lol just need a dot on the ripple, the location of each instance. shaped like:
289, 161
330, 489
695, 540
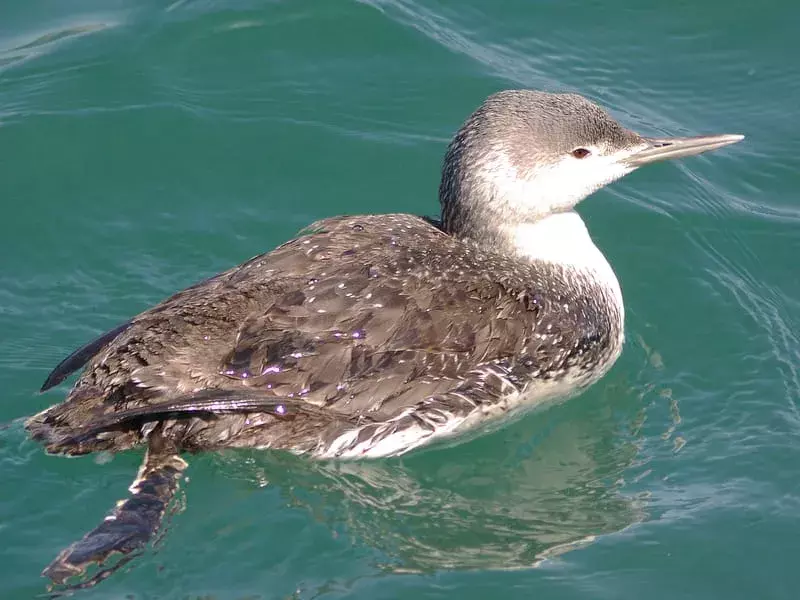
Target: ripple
767, 306
501, 59
27, 47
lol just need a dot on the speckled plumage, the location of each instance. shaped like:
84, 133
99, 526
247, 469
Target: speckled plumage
345, 321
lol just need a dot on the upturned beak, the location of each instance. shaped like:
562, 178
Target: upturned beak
659, 149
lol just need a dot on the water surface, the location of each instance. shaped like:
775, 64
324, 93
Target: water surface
145, 145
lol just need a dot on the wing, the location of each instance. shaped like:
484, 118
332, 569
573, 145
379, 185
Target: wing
370, 341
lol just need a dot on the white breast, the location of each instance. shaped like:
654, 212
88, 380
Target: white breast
563, 239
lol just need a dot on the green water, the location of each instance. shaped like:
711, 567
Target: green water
145, 145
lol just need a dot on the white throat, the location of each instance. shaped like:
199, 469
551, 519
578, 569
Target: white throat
563, 239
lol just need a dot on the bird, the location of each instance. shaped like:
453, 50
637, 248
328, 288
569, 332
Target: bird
371, 335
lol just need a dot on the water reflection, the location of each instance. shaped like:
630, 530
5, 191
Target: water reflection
538, 488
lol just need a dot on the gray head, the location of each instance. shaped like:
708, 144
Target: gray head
525, 155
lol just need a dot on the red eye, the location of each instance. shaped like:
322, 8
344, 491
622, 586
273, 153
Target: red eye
580, 153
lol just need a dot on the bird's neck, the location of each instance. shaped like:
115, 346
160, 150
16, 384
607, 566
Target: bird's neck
560, 239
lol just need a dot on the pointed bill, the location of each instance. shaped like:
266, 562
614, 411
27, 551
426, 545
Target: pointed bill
659, 149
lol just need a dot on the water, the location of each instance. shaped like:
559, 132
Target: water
145, 145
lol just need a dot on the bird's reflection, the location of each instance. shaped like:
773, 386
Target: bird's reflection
539, 487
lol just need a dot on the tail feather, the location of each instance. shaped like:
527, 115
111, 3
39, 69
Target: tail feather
130, 526
81, 356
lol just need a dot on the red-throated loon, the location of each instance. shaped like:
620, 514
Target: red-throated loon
369, 336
